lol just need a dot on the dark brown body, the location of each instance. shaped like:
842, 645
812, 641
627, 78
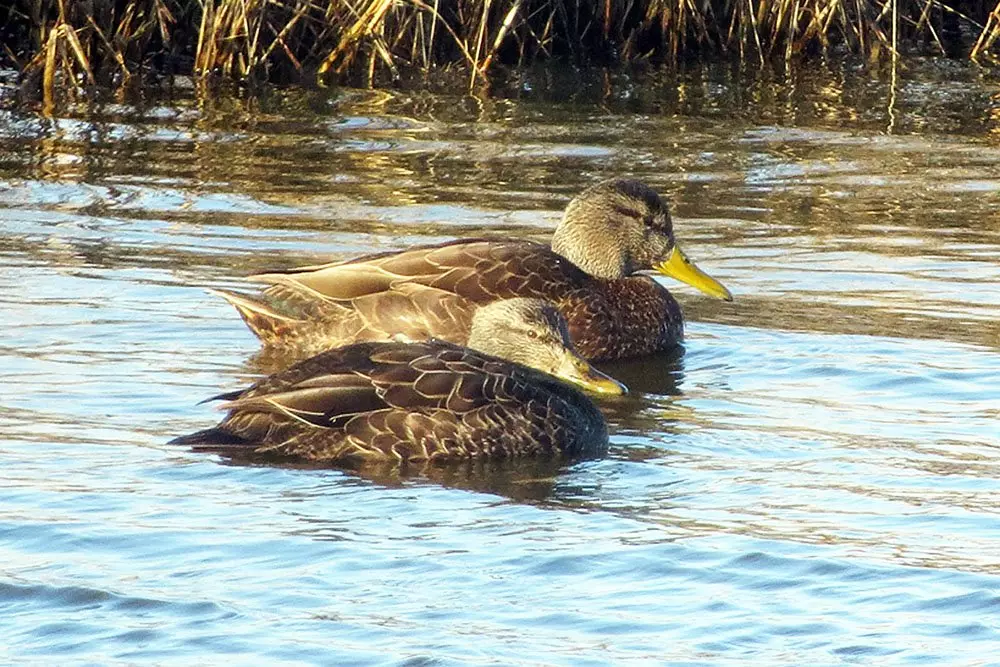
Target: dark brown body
403, 403
433, 291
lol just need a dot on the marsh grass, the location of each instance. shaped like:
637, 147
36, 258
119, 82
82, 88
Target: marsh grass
63, 45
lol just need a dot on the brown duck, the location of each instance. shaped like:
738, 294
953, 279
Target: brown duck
608, 233
403, 403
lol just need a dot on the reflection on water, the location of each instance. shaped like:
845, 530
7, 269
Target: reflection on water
814, 475
523, 481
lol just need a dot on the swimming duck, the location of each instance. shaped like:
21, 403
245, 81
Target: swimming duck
608, 233
431, 401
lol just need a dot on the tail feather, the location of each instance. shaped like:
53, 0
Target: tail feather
224, 396
212, 439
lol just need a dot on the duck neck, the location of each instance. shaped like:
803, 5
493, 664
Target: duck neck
597, 252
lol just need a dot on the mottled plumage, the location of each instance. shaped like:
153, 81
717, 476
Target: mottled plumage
608, 233
423, 402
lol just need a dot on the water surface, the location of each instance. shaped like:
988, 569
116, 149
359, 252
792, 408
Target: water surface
815, 477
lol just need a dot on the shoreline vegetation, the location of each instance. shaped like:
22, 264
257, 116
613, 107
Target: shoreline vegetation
61, 47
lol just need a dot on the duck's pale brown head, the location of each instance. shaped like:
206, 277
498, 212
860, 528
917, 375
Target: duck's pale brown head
534, 333
618, 227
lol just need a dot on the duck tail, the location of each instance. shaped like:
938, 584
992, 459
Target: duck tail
266, 323
214, 436
216, 440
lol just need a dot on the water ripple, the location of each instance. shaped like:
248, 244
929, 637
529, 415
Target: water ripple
813, 479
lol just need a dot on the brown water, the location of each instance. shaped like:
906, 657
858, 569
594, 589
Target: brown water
814, 479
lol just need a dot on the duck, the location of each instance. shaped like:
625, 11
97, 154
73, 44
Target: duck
608, 234
514, 392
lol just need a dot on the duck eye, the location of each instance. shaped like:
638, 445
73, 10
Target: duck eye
532, 333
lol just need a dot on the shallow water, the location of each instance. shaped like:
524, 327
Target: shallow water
814, 479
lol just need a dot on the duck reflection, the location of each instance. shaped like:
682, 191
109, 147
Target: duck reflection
661, 374
522, 480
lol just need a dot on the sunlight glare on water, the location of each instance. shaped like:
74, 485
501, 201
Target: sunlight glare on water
815, 478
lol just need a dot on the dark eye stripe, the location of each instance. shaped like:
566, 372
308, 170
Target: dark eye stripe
627, 212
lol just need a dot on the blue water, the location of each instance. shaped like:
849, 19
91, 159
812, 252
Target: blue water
816, 479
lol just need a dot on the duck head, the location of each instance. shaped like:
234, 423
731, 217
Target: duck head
534, 333
616, 228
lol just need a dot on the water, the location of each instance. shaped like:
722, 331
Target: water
814, 480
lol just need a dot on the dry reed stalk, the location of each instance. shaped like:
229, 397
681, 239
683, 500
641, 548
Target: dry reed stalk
281, 35
989, 34
365, 25
480, 36
508, 20
49, 76
75, 43
924, 22
756, 32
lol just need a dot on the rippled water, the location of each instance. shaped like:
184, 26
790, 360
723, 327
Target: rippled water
815, 479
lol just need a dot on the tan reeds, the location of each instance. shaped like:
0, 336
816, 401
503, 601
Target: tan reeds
70, 43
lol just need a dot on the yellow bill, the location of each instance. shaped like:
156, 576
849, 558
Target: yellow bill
679, 267
577, 370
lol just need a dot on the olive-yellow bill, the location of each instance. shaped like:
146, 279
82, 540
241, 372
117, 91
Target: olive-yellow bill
578, 371
679, 267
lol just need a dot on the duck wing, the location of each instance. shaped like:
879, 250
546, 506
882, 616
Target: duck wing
292, 315
479, 270
370, 400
